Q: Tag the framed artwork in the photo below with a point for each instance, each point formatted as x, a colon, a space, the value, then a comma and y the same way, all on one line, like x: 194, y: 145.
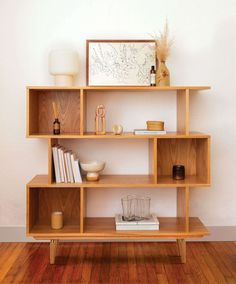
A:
x: 119, y: 62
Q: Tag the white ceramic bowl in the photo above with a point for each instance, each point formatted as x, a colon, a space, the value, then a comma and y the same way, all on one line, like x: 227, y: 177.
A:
x: 92, y: 166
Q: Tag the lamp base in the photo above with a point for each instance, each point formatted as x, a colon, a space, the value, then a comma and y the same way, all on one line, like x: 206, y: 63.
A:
x: 63, y: 80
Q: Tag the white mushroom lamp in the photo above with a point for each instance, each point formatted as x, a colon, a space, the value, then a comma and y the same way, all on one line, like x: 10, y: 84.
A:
x: 64, y: 65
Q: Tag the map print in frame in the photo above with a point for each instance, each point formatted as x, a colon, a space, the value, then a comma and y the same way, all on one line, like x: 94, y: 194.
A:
x: 119, y: 62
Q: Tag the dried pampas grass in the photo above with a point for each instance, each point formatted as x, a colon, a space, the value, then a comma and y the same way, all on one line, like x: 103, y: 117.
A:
x: 163, y: 44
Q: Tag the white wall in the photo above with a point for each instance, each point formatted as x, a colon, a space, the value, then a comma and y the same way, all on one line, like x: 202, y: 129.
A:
x: 203, y: 53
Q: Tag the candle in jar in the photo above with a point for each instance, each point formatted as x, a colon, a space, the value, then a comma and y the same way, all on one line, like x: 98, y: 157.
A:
x: 178, y: 172
x: 57, y: 220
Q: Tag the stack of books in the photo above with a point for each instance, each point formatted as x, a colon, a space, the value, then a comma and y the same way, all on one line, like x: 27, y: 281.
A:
x: 151, y: 223
x: 66, y: 165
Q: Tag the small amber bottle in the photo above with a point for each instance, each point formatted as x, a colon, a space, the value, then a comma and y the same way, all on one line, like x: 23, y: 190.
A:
x: 56, y: 126
x: 153, y: 76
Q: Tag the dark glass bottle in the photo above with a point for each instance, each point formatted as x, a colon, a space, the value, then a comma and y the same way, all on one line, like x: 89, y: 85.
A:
x: 153, y: 76
x: 56, y: 126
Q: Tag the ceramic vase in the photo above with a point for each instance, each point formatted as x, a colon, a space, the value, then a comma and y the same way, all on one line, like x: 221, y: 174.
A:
x: 163, y: 75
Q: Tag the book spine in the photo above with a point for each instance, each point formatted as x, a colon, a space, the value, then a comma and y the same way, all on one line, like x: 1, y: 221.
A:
x: 75, y: 173
x: 66, y: 167
x: 137, y: 228
x: 78, y: 171
x: 138, y: 132
x: 61, y: 164
x: 70, y: 167
x: 56, y: 164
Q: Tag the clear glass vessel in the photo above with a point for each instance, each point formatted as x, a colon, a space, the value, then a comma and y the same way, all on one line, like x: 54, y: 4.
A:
x: 136, y: 208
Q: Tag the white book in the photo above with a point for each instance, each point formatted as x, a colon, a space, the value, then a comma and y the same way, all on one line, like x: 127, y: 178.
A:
x: 68, y: 153
x: 72, y: 158
x: 149, y: 132
x: 66, y: 166
x: 61, y: 151
x: 76, y: 169
x: 60, y: 156
x: 137, y: 228
x: 149, y: 224
x: 56, y: 164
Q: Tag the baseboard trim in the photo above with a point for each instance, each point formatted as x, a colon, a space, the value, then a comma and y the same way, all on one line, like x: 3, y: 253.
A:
x: 217, y: 233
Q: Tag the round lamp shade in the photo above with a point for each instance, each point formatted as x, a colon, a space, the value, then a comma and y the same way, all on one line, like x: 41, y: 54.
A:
x: 64, y: 65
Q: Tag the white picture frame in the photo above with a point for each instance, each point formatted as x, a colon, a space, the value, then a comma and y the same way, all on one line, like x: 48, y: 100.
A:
x: 120, y: 62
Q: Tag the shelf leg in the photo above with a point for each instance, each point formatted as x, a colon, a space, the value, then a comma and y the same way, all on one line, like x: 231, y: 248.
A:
x: 53, y: 250
x: 181, y: 244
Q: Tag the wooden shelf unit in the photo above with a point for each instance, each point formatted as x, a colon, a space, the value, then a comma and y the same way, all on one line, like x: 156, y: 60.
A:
x: 104, y: 228
x: 72, y: 101
x: 181, y: 147
x: 164, y: 152
x: 125, y: 135
x: 123, y: 181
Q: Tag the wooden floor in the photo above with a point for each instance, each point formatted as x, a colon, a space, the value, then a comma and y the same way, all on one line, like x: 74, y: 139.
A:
x: 213, y: 262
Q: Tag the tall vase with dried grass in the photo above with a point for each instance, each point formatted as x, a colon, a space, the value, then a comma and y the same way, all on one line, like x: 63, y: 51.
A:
x: 163, y: 45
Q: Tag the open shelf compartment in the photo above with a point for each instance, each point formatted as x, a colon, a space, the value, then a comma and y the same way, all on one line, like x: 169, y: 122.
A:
x: 170, y: 227
x: 193, y: 153
x: 42, y: 201
x: 40, y: 116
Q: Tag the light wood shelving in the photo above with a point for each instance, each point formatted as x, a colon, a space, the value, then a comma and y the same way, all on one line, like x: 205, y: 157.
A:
x: 125, y: 135
x: 123, y: 181
x: 182, y: 147
x: 104, y: 228
x: 121, y: 88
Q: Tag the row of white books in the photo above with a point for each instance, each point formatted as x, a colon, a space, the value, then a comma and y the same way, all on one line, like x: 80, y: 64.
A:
x: 66, y: 165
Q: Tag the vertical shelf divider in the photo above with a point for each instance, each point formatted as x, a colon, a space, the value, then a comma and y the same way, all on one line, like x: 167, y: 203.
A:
x: 153, y: 158
x: 82, y: 208
x: 83, y: 107
x: 183, y: 126
x: 183, y: 205
x: 183, y: 111
x: 51, y: 142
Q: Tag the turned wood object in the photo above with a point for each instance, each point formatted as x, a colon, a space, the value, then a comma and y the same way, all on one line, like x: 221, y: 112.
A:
x: 100, y: 120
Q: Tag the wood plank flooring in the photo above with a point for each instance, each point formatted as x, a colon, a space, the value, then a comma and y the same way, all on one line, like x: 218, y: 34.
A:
x: 210, y: 262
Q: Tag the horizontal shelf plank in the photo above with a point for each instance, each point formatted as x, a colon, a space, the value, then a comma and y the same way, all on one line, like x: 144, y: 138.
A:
x: 191, y: 181
x: 123, y: 181
x: 169, y: 227
x: 105, y: 181
x: 120, y: 88
x: 46, y: 229
x: 125, y: 135
x: 104, y: 228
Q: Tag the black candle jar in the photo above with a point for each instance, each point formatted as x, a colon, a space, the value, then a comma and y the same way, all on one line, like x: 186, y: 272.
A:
x: 178, y: 172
